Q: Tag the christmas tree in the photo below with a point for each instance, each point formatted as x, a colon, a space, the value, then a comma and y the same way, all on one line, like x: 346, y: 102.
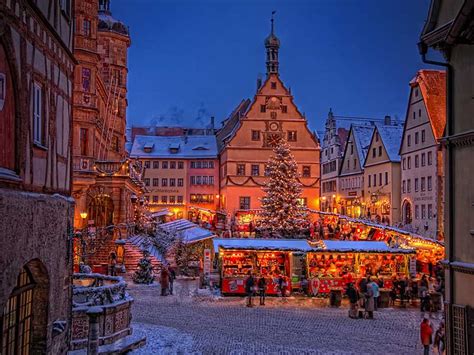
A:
x: 283, y: 213
x: 144, y: 272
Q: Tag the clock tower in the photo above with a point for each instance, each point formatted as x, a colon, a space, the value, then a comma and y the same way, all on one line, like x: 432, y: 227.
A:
x: 247, y: 137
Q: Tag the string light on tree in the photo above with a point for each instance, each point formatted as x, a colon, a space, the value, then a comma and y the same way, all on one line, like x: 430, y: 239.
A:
x: 283, y: 212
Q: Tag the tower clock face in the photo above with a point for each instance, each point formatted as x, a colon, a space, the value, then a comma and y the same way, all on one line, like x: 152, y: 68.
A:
x: 273, y: 126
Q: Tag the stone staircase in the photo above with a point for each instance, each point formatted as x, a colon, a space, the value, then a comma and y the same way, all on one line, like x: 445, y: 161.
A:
x: 133, y: 254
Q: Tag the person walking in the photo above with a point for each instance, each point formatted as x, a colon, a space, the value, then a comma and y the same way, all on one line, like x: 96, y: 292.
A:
x: 375, y: 288
x: 440, y: 339
x: 426, y: 331
x: 249, y: 288
x: 353, y: 295
x: 164, y: 281
x: 369, y: 303
x: 172, y: 277
x: 262, y: 288
x: 113, y: 264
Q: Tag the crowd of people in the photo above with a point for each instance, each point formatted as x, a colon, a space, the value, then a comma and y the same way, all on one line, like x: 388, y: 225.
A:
x: 257, y: 285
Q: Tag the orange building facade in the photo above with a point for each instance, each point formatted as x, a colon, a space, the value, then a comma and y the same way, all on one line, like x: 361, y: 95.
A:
x: 246, y: 140
x: 106, y: 183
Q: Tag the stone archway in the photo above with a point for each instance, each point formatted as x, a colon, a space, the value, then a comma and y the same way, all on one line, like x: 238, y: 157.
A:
x: 407, y: 212
x: 24, y: 319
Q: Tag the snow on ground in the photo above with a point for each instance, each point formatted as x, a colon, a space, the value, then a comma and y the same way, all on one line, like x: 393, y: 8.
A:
x: 199, y: 322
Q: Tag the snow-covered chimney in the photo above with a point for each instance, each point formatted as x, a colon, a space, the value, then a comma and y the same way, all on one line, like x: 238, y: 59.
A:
x: 387, y: 120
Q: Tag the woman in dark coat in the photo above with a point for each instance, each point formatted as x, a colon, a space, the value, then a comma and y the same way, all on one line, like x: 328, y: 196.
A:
x: 353, y: 295
x: 164, y: 281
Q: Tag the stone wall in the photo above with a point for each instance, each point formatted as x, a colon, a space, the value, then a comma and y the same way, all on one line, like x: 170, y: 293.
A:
x: 35, y: 232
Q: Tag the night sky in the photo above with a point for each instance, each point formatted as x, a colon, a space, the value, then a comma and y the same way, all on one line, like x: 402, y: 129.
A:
x: 191, y: 59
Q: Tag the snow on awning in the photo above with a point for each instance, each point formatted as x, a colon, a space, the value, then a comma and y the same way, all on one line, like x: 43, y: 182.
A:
x: 160, y: 213
x: 190, y: 232
x: 358, y: 246
x: 262, y: 244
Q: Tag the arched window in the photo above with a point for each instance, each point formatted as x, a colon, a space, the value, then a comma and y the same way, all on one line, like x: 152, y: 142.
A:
x: 17, y: 315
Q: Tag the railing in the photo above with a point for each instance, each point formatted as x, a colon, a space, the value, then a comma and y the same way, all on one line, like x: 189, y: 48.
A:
x: 98, y: 290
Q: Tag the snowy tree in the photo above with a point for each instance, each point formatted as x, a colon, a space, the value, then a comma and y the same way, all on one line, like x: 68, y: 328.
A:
x: 144, y: 272
x: 283, y: 213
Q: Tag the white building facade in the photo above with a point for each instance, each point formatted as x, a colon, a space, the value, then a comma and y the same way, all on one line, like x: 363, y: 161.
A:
x: 422, y: 174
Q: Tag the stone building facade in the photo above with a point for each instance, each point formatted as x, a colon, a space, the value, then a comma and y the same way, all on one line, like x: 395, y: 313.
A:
x: 450, y: 29
x: 36, y: 77
x: 382, y: 175
x: 246, y: 139
x: 106, y: 183
x: 422, y: 200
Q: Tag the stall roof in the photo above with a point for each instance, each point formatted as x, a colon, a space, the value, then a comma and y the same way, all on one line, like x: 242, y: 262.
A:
x: 262, y: 244
x: 190, y: 232
x: 359, y: 246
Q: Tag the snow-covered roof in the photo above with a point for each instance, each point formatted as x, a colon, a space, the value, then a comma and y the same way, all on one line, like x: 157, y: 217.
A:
x: 359, y: 246
x: 160, y: 213
x: 141, y: 242
x: 262, y: 244
x: 391, y: 137
x: 191, y: 146
x: 362, y: 136
x: 190, y: 232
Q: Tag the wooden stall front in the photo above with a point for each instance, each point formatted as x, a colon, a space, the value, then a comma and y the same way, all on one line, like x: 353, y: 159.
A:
x: 271, y: 258
x: 333, y: 264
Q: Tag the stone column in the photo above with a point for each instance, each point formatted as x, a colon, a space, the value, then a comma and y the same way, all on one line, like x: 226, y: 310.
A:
x: 93, y: 341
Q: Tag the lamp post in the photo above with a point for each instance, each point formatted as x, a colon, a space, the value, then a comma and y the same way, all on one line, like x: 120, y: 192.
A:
x: 83, y: 216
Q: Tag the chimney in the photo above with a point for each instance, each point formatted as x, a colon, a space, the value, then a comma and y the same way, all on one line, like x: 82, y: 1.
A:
x: 212, y: 122
x: 387, y: 120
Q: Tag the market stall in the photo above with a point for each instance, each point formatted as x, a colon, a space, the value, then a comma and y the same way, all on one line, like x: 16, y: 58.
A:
x: 271, y: 258
x: 332, y: 264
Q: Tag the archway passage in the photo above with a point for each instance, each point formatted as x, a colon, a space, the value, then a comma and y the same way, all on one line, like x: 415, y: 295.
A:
x: 407, y: 213
x: 17, y: 316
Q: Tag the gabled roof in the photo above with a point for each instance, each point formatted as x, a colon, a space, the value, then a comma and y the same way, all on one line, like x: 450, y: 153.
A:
x: 175, y: 147
x: 362, y: 136
x: 391, y: 137
x: 432, y: 84
x: 230, y: 124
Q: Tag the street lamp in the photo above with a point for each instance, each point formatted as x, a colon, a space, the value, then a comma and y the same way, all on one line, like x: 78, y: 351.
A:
x: 83, y: 216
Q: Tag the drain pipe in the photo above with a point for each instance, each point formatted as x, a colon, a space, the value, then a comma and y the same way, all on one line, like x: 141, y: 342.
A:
x: 423, y: 49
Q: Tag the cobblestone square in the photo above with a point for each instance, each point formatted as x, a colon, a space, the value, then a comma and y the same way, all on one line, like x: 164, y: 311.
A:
x: 182, y: 324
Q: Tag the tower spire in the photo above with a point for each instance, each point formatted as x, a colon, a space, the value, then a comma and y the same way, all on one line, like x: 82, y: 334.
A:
x: 272, y: 45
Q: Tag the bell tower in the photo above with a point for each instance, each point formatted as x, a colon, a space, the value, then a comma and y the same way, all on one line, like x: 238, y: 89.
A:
x: 272, y: 45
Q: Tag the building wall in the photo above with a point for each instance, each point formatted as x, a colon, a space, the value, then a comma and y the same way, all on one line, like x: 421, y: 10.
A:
x: 415, y: 148
x: 242, y: 149
x: 36, y: 213
x: 158, y: 192
x: 387, y: 185
x: 194, y: 190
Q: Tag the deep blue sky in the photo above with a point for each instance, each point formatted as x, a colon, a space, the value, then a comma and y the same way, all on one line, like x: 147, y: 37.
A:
x: 193, y: 58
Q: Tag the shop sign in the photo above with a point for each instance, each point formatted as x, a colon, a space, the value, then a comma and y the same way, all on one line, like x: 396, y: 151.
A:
x: 413, y: 266
x: 207, y: 261
x: 352, y: 193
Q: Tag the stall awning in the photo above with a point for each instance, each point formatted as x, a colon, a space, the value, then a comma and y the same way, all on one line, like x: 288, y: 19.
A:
x: 262, y: 244
x: 358, y: 246
x: 190, y: 232
x: 160, y: 213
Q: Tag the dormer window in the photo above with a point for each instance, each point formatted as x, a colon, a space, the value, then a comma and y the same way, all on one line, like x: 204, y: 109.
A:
x: 148, y: 147
x: 174, y: 148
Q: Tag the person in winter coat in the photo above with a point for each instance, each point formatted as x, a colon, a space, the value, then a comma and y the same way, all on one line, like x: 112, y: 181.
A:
x: 440, y: 339
x: 353, y: 295
x: 164, y: 281
x: 172, y: 277
x: 262, y: 288
x: 375, y: 289
x: 369, y: 302
x: 249, y: 288
x: 425, y: 334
